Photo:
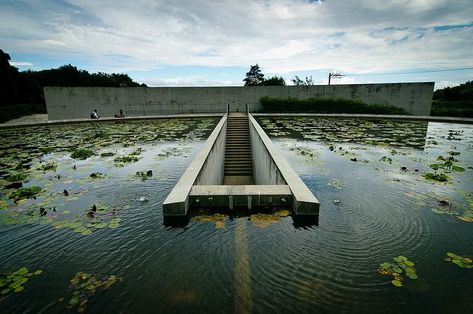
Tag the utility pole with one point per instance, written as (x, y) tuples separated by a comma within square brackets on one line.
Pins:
[(334, 75)]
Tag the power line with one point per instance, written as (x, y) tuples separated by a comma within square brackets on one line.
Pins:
[(411, 72)]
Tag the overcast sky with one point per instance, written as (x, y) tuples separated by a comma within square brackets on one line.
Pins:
[(204, 42)]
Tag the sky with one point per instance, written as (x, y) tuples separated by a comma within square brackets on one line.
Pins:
[(214, 42)]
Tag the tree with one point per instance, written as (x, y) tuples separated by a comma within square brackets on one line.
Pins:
[(274, 81), (298, 82), (254, 77)]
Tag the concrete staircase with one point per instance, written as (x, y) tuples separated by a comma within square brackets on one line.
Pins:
[(238, 160)]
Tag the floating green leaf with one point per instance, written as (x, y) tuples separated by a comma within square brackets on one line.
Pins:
[(82, 153), (84, 285)]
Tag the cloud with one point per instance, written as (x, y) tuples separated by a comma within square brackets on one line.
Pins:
[(283, 36), (21, 64)]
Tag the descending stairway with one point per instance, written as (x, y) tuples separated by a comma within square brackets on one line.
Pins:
[(238, 160)]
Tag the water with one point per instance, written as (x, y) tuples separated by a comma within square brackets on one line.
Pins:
[(237, 264)]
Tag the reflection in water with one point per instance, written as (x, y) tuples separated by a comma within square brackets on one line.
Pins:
[(372, 209)]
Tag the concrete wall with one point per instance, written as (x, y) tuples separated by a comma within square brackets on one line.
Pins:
[(265, 170), (304, 202), (213, 169), (78, 102), (177, 202)]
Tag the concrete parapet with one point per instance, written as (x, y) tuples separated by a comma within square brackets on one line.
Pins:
[(269, 158), (201, 169)]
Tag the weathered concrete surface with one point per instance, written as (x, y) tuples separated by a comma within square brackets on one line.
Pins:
[(78, 102), (304, 202), (247, 196), (177, 202)]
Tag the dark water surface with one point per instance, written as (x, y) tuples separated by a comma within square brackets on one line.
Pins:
[(371, 210)]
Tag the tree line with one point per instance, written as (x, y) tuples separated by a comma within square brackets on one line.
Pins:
[(254, 77), (26, 87)]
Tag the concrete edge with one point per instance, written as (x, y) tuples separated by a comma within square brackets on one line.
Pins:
[(305, 203), (213, 190), (370, 116), (177, 202), (110, 120)]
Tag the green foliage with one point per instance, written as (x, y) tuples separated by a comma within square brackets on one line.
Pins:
[(462, 92), (454, 101), (325, 105), (440, 177), (460, 261), (307, 82), (13, 282), (85, 285), (254, 77), (82, 153), (454, 108), (401, 266), (274, 81), (24, 193)]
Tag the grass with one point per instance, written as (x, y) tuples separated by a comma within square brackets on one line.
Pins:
[(325, 105)]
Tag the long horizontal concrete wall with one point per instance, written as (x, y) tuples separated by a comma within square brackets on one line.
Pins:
[(78, 102)]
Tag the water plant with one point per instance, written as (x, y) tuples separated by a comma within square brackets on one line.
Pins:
[(144, 175), (460, 261), (336, 183), (263, 220), (107, 154), (97, 175), (14, 281), (401, 266), (85, 285), (50, 166), (386, 159), (217, 218), (82, 153), (439, 177), (24, 193)]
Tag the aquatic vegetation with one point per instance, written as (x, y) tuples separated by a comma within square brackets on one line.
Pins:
[(98, 216), (304, 151), (439, 177), (144, 175), (401, 266), (173, 151), (24, 193), (120, 161), (460, 261), (14, 281), (262, 220), (85, 285), (336, 183), (16, 176), (50, 166), (82, 153), (206, 216), (107, 154), (448, 165), (97, 175), (386, 159)]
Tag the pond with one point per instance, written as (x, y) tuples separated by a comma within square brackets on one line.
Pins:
[(85, 231)]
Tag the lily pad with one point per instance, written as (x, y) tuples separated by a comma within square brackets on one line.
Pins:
[(397, 283)]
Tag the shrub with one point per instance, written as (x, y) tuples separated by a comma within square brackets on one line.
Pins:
[(325, 105)]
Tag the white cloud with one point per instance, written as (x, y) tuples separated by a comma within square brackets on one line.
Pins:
[(282, 35), (21, 64)]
